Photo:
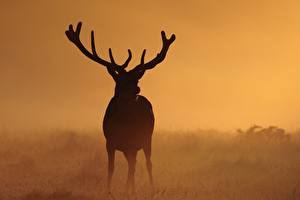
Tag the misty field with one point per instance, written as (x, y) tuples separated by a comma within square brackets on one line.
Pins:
[(69, 165)]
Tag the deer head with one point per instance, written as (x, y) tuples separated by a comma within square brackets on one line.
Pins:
[(126, 81)]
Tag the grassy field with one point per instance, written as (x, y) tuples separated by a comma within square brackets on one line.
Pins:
[(208, 165)]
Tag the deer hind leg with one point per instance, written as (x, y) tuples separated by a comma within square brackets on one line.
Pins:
[(131, 159), (147, 152), (111, 165)]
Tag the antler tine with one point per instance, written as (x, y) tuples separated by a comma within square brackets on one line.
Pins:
[(166, 40), (160, 56), (112, 60), (125, 63), (143, 57), (93, 44), (128, 59), (78, 28), (73, 36)]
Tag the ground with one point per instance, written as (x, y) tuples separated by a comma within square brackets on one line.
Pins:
[(209, 165)]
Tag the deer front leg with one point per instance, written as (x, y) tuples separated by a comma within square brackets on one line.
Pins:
[(147, 152), (111, 165), (131, 159)]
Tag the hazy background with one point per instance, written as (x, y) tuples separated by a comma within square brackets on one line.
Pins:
[(234, 63)]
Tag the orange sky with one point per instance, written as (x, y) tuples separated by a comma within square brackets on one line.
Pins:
[(234, 63)]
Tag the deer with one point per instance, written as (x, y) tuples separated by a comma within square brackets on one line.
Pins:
[(129, 119)]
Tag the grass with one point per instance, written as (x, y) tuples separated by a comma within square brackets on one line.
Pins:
[(71, 165)]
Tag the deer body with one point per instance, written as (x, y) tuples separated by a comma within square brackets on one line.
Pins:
[(128, 124), (129, 120)]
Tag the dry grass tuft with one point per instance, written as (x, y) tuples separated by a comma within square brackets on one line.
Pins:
[(71, 165)]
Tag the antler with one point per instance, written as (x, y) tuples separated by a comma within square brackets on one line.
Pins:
[(160, 56), (111, 66)]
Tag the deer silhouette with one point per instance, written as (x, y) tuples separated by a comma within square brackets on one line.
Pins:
[(129, 120)]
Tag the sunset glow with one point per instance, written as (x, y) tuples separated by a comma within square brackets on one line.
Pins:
[(234, 63)]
